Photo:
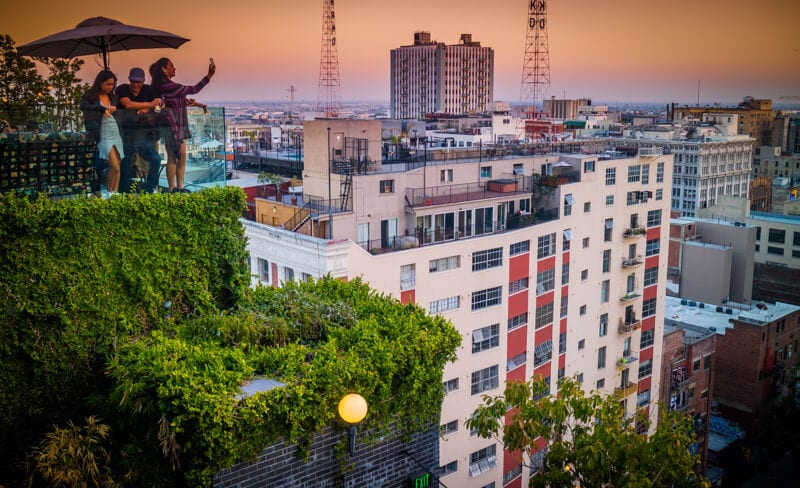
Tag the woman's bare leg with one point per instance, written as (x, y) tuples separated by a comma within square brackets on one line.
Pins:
[(180, 167), (113, 170), (170, 169)]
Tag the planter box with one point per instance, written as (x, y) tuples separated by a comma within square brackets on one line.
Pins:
[(502, 186)]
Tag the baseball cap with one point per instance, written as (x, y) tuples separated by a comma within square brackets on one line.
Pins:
[(136, 74)]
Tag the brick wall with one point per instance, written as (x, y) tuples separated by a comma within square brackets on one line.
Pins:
[(382, 465)]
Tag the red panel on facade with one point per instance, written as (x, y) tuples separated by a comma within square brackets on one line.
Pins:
[(515, 483), (510, 460), (649, 292), (653, 233), (519, 267), (517, 303), (644, 385), (545, 299), (517, 374), (543, 334), (565, 257), (562, 326), (646, 353), (651, 261), (407, 297), (517, 341), (546, 263), (543, 370), (562, 361), (649, 323)]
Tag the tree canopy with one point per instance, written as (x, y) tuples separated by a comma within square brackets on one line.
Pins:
[(588, 438)]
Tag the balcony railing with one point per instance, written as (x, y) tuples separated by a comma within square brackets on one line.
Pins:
[(627, 360), (681, 384), (634, 232), (629, 325), (629, 296), (447, 194), (631, 262), (625, 390)]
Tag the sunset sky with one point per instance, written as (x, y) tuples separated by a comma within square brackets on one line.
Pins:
[(612, 51)]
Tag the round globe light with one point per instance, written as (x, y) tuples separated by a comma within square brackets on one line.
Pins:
[(352, 408)]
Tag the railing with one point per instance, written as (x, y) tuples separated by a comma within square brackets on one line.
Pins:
[(631, 262), (629, 325), (634, 232), (625, 390), (629, 296), (626, 360), (440, 194), (322, 205)]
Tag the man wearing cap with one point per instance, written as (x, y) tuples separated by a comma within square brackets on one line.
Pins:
[(139, 129)]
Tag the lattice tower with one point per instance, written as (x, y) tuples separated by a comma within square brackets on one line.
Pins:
[(328, 100), (536, 65)]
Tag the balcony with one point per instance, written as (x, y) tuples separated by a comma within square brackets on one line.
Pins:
[(630, 296), (626, 360), (634, 232), (626, 390), (629, 325), (632, 262), (448, 194)]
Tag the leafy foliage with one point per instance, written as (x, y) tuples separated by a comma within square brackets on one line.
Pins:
[(590, 440), (137, 311)]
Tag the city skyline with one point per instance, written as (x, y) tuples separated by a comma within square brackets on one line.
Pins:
[(629, 51)]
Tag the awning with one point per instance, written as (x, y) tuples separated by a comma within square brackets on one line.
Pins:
[(567, 234), (569, 200)]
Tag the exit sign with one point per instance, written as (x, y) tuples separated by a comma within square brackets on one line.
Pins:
[(421, 481)]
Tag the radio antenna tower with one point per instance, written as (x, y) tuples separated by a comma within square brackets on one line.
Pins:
[(327, 102), (536, 66)]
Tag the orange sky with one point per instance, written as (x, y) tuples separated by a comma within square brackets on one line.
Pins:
[(613, 50)]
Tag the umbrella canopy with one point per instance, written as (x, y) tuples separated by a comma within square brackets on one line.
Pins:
[(99, 35)]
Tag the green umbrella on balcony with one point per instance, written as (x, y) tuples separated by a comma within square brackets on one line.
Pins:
[(99, 36)]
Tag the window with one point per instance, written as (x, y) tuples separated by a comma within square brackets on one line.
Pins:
[(648, 336), (609, 226), (387, 186), (601, 383), (796, 239), (659, 194), (634, 173), (519, 248), (489, 258), (518, 321), (305, 277), (449, 427), (546, 246), (544, 315), (564, 306), (758, 233), (609, 199), (649, 307), (545, 281), (611, 176), (645, 368), (487, 298), (581, 344), (567, 240), (543, 353), (585, 242), (510, 475), (483, 460), (288, 274), (568, 202), (448, 468), (707, 360), (485, 379), (653, 218), (562, 343), (408, 277), (601, 358), (517, 361), (696, 367), (587, 207), (588, 166), (778, 251), (444, 304), (486, 171), (659, 172), (263, 270), (518, 285), (582, 310), (485, 338), (653, 247), (605, 287), (603, 325), (777, 236), (564, 273), (450, 385), (446, 175), (645, 174), (643, 398), (579, 378), (606, 260), (584, 275), (651, 276), (444, 264)]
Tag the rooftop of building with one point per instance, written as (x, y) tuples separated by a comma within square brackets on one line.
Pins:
[(691, 334), (680, 311), (708, 220), (774, 217)]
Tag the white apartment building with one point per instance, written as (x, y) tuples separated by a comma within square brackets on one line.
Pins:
[(431, 76), (556, 276)]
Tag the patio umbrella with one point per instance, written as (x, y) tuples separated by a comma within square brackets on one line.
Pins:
[(99, 35)]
